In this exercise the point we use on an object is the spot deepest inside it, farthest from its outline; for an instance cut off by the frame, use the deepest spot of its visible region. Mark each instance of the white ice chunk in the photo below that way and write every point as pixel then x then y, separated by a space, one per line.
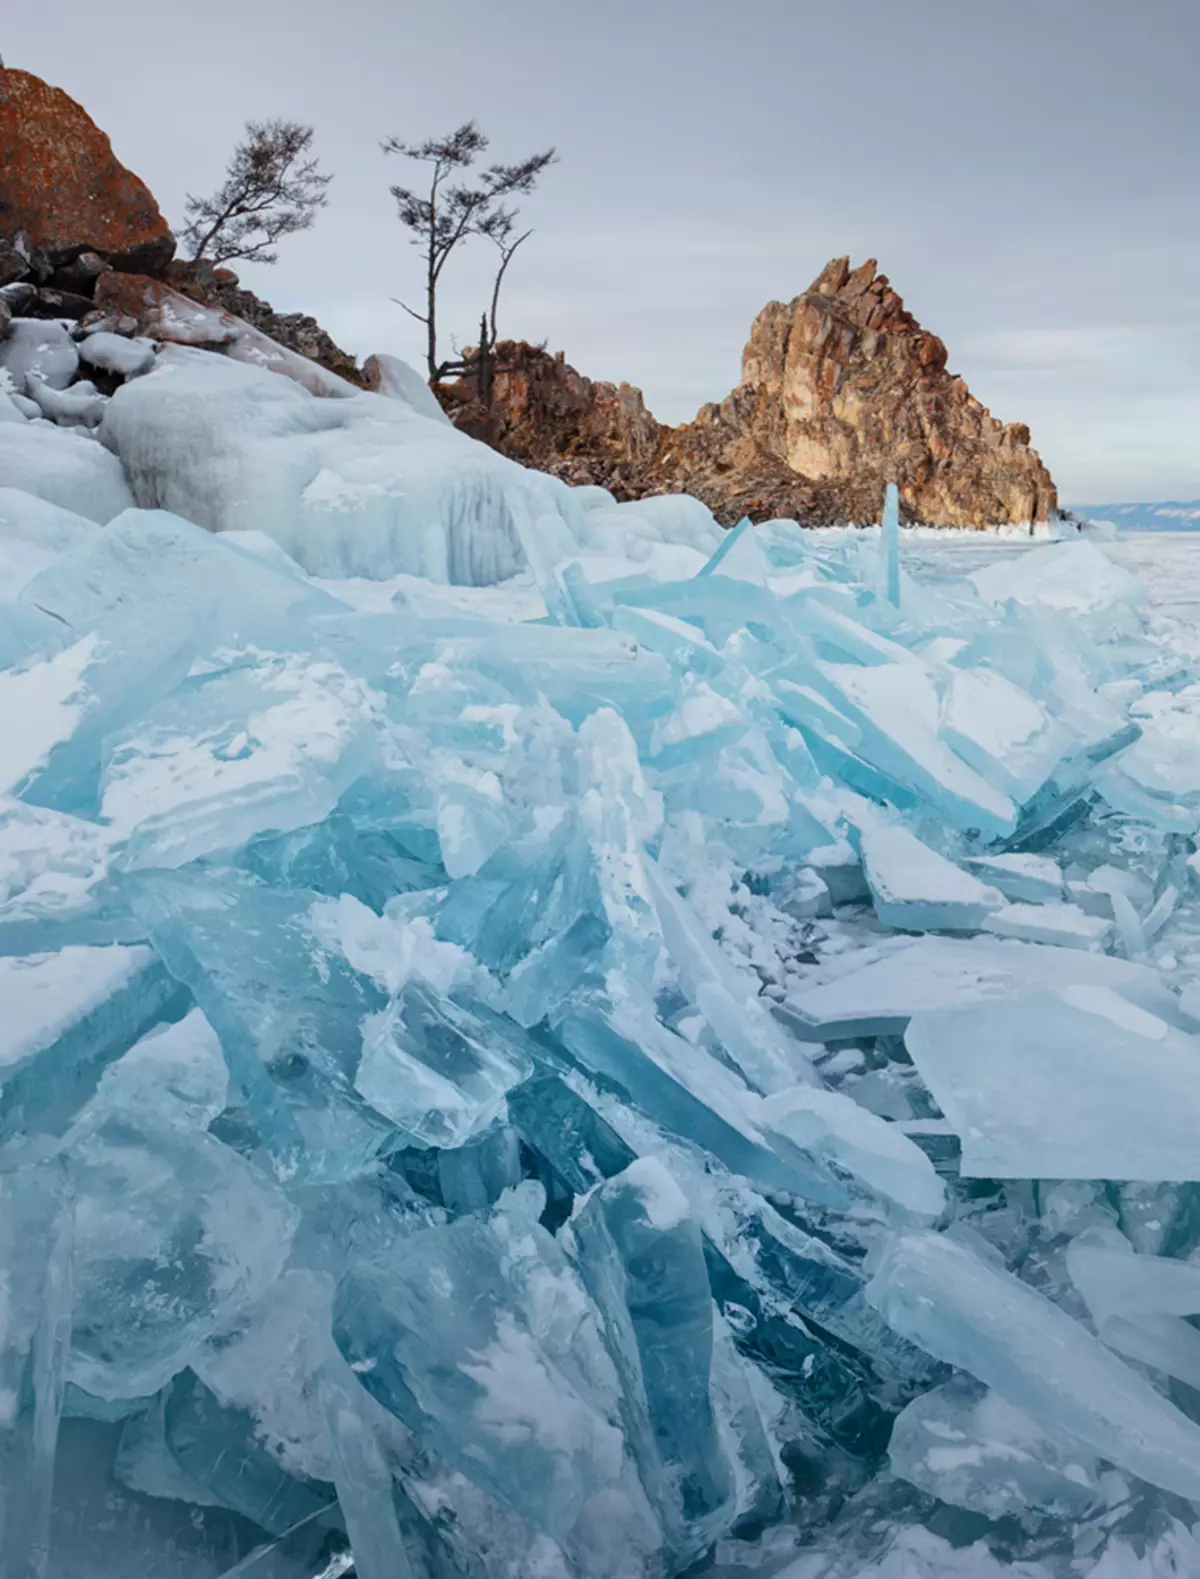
pixel 1076 579
pixel 33 534
pixel 1075 1084
pixel 64 468
pixel 879 997
pixel 916 889
pixel 81 406
pixel 115 354
pixel 873 1150
pixel 1064 925
pixel 41 347
pixel 1002 731
pixel 45 994
pixel 389 376
pixel 1029 879
pixel 973 1314
pixel 50 863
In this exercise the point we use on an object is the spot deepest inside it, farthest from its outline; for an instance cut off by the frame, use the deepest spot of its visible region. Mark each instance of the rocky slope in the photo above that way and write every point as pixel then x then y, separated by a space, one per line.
pixel 842 391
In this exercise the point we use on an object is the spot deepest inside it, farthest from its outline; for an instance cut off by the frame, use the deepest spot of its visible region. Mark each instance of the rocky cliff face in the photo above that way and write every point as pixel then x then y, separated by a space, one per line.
pixel 842 391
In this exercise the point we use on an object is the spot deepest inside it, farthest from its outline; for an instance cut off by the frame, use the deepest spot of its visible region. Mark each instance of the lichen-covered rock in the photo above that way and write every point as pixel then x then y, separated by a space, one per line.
pixel 843 387
pixel 842 391
pixel 62 186
pixel 547 415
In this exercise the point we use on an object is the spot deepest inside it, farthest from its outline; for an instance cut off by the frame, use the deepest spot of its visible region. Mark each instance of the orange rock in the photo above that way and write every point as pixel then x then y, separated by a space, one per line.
pixel 62 185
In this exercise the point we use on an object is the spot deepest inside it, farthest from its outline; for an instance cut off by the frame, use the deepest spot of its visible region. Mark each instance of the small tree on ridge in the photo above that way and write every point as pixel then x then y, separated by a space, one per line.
pixel 273 188
pixel 443 216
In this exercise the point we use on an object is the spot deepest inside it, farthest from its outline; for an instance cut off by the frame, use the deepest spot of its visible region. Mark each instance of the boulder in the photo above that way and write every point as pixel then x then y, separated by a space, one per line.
pixel 63 187
pixel 158 312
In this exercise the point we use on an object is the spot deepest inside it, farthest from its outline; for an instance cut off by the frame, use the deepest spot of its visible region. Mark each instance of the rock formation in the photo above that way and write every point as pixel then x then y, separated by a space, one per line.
pixel 64 190
pixel 842 391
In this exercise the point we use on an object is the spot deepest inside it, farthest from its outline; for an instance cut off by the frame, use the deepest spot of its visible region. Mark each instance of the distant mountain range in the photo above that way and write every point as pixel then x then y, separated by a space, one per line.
pixel 1168 515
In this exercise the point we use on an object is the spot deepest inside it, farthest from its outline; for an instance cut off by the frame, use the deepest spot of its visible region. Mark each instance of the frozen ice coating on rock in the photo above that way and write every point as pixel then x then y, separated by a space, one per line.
pixel 1075 1084
pixel 115 354
pixel 39 348
pixel 462 1001
pixel 362 486
pixel 391 376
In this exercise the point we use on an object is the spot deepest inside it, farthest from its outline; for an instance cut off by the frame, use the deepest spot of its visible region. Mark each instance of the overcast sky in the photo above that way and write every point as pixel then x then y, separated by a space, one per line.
pixel 1026 174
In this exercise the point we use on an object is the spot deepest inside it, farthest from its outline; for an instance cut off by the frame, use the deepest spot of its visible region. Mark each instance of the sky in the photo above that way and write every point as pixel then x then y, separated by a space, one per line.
pixel 1025 174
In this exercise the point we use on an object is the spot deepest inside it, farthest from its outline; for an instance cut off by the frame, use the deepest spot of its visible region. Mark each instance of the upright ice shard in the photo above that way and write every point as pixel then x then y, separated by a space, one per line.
pixel 36 1214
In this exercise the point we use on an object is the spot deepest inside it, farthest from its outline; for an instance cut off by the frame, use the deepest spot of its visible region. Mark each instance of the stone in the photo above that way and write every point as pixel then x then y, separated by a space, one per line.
pixel 80 275
pixel 842 391
pixel 6 318
pixel 62 185
pixel 14 259
pixel 61 304
pixel 160 312
pixel 19 298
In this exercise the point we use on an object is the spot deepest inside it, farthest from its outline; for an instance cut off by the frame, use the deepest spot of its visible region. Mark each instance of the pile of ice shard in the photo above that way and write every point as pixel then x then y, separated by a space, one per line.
pixel 670 1063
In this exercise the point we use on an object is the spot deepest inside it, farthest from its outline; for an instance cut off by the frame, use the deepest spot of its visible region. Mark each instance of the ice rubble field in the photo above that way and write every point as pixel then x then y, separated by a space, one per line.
pixel 683 1059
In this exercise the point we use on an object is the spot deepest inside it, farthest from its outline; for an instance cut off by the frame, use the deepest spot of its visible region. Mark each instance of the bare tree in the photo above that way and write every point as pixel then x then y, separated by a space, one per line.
pixel 443 216
pixel 273 188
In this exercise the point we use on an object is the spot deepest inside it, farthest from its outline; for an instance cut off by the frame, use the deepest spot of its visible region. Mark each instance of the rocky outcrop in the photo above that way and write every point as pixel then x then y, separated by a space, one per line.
pixel 844 388
pixel 63 189
pixel 546 415
pixel 842 391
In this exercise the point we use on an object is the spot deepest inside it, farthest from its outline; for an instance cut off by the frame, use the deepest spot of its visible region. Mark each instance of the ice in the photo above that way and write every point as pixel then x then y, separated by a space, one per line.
pixel 40 348
pixel 1064 925
pixel 917 890
pixel 35 1326
pixel 67 1015
pixel 398 381
pixel 63 468
pixel 81 406
pixel 265 746
pixel 53 871
pixel 873 1150
pixel 1002 731
pixel 358 486
pixel 895 708
pixel 1075 1084
pixel 115 354
pixel 1075 579
pixel 1026 878
pixel 643 1263
pixel 878 996
pixel 33 534
pixel 976 1316
pixel 512 1385
pixel 967 1446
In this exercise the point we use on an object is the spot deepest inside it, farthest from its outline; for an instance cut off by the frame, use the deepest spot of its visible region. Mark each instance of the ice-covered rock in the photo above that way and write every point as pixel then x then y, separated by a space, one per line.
pixel 362 486
pixel 115 354
pixel 39 348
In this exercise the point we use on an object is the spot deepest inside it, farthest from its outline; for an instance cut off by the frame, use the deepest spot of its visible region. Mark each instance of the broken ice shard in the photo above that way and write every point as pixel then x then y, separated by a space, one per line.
pixel 35 1328
pixel 1078 1084
pixel 643 1263
pixel 918 890
pixel 67 1016
pixel 511 1384
pixel 980 1318
pixel 967 1446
